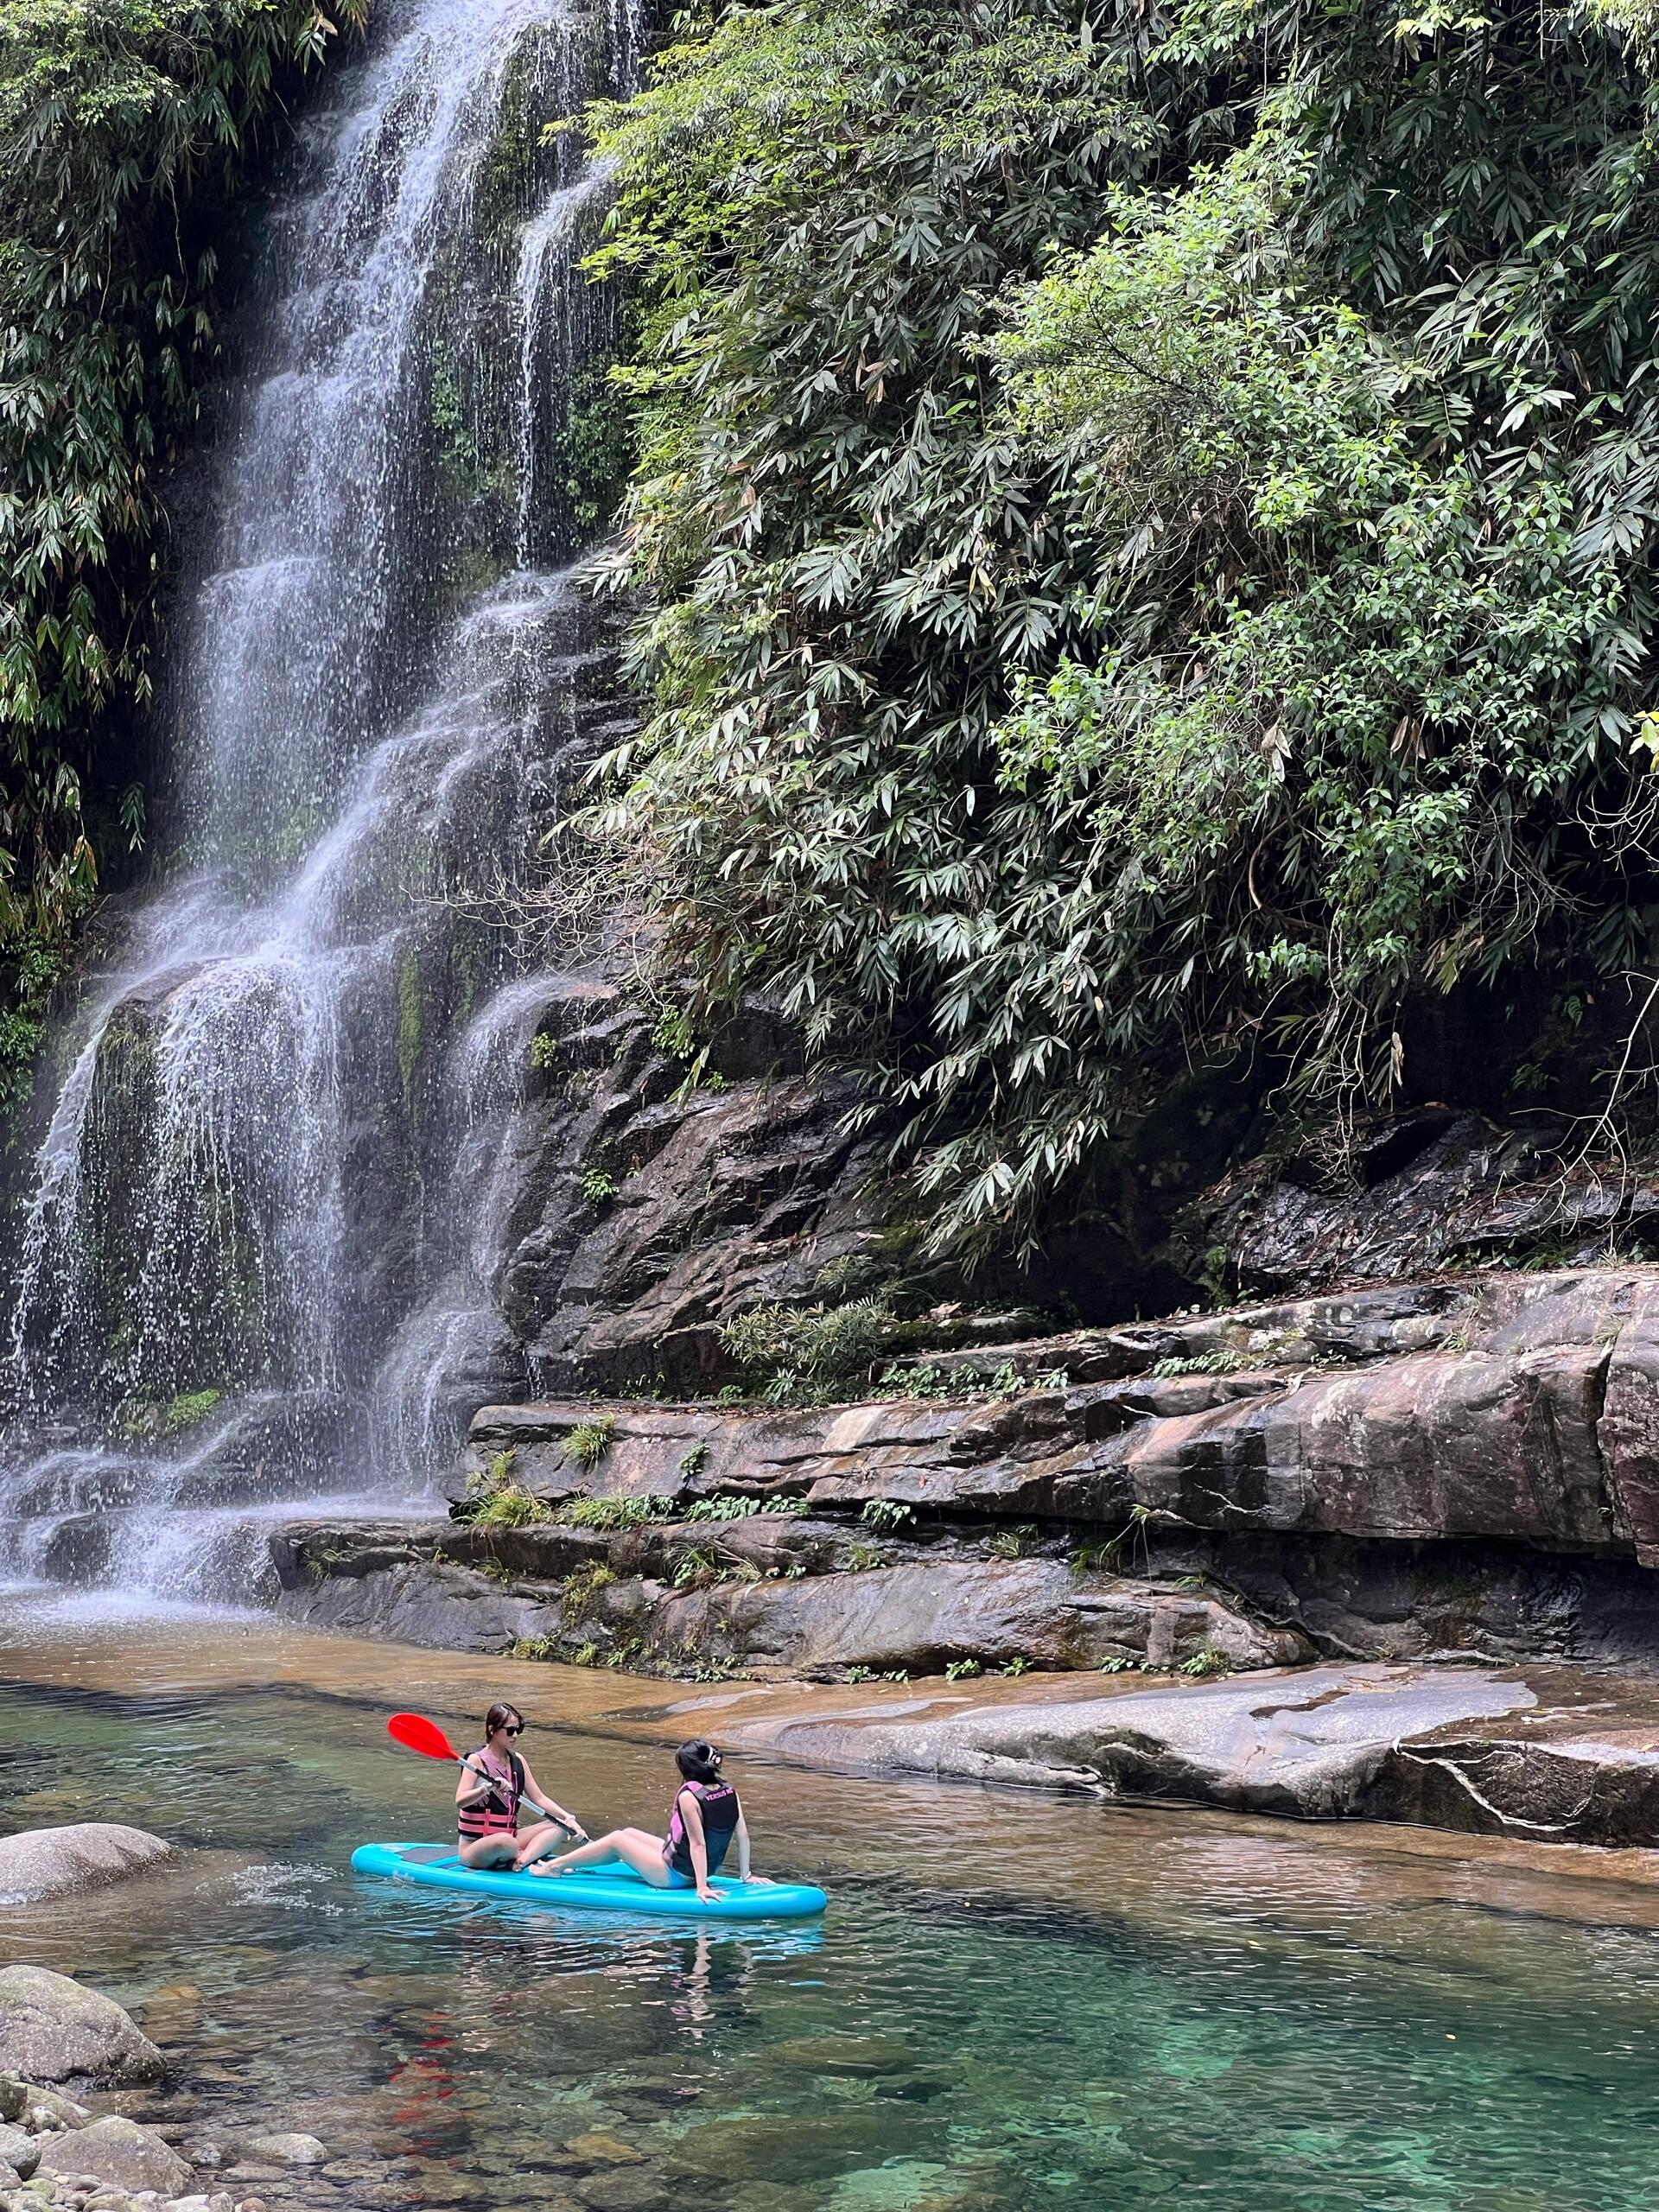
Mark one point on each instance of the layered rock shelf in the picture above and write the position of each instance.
(1462, 1466)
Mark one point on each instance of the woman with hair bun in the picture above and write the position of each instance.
(494, 1782)
(706, 1819)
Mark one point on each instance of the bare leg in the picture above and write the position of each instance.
(635, 1848)
(534, 1841)
(499, 1850)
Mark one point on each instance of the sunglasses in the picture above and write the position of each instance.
(513, 1732)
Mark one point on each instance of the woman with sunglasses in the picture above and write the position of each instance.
(494, 1782)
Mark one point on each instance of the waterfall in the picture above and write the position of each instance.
(258, 1263)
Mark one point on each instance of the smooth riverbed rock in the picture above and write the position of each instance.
(51, 2029)
(284, 2147)
(20, 2149)
(121, 2151)
(1546, 1756)
(56, 1862)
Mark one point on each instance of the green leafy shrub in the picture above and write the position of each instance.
(589, 1440)
(963, 1670)
(189, 1410)
(508, 1506)
(731, 1508)
(885, 1513)
(1191, 605)
(619, 1512)
(802, 1354)
(598, 1187)
(1015, 1542)
(694, 1462)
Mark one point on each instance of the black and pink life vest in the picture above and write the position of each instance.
(717, 1803)
(499, 1814)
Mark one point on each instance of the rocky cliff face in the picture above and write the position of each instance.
(1464, 1465)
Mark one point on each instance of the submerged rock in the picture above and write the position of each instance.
(120, 2151)
(86, 1855)
(284, 2147)
(52, 2029)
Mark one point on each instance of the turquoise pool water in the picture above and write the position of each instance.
(1014, 2002)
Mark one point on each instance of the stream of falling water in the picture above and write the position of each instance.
(260, 1252)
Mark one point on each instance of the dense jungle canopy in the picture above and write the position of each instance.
(1146, 515)
(1139, 554)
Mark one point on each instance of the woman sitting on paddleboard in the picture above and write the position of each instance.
(487, 1811)
(706, 1818)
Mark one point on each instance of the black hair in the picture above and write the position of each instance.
(698, 1762)
(498, 1715)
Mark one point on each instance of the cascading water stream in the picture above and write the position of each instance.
(258, 1259)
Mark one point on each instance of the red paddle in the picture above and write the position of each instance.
(415, 1733)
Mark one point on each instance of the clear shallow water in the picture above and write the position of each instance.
(1015, 2002)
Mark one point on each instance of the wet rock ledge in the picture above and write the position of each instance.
(1461, 1466)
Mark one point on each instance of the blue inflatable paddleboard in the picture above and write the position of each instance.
(590, 1889)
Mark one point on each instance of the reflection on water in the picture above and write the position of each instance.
(1014, 2002)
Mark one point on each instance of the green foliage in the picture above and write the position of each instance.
(189, 1410)
(804, 1355)
(589, 1440)
(124, 123)
(1147, 520)
(617, 1512)
(1203, 1665)
(28, 975)
(886, 1514)
(1017, 1665)
(598, 1187)
(1015, 1542)
(507, 1505)
(696, 1567)
(578, 1592)
(860, 1558)
(1110, 1557)
(1205, 1362)
(534, 1647)
(729, 1508)
(963, 1670)
(694, 1461)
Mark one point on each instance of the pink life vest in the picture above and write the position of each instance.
(499, 1814)
(717, 1803)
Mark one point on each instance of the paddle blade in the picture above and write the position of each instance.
(417, 1734)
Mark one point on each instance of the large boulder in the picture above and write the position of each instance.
(57, 1862)
(121, 2152)
(51, 2029)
